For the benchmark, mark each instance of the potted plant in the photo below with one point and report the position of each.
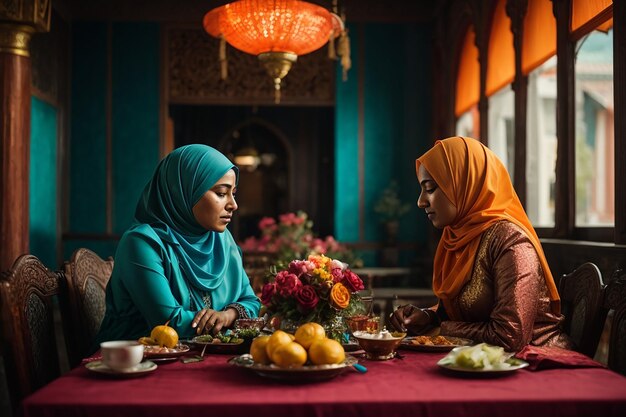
(390, 208)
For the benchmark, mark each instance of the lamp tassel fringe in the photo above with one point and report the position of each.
(343, 50)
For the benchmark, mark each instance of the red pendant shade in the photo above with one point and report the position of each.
(260, 26)
(277, 31)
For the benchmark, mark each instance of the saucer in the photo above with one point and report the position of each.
(143, 368)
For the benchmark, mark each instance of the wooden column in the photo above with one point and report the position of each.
(18, 25)
(619, 85)
(564, 202)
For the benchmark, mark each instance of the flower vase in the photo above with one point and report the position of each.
(336, 329)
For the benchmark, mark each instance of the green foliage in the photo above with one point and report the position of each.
(389, 206)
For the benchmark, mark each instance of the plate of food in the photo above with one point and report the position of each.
(220, 344)
(481, 359)
(163, 353)
(299, 374)
(434, 343)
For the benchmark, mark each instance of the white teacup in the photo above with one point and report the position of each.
(121, 355)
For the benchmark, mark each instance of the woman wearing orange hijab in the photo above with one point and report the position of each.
(490, 273)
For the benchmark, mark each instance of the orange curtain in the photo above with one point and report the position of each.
(604, 27)
(468, 75)
(501, 68)
(584, 11)
(539, 41)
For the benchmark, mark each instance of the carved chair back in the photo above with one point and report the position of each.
(615, 299)
(28, 295)
(86, 277)
(582, 297)
(256, 265)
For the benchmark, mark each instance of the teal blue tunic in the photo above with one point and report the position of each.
(167, 267)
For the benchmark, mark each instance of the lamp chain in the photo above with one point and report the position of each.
(277, 90)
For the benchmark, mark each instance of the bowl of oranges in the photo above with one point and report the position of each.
(304, 356)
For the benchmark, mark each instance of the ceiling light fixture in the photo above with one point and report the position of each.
(277, 32)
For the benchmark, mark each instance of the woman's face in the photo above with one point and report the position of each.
(440, 211)
(215, 209)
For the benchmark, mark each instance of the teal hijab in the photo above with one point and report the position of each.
(166, 204)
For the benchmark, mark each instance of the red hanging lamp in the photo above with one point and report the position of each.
(277, 32)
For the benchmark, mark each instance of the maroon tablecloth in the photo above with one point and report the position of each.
(413, 386)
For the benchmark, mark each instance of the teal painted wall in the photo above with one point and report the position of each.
(135, 116)
(43, 182)
(347, 150)
(396, 99)
(134, 122)
(87, 144)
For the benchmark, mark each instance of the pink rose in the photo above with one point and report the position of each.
(337, 274)
(267, 223)
(307, 298)
(287, 219)
(301, 267)
(267, 293)
(352, 281)
(286, 283)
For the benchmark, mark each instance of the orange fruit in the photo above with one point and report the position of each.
(147, 341)
(326, 351)
(164, 335)
(257, 350)
(308, 333)
(277, 338)
(289, 354)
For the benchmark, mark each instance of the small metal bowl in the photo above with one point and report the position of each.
(255, 323)
(379, 346)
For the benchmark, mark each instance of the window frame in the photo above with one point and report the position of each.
(565, 205)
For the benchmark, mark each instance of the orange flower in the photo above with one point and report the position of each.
(339, 296)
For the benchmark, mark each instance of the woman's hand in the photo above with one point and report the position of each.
(410, 318)
(212, 321)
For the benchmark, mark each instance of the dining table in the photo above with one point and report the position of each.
(411, 384)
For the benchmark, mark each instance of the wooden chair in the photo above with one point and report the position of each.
(256, 265)
(28, 295)
(582, 298)
(615, 299)
(86, 277)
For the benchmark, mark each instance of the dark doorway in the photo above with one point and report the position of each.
(295, 151)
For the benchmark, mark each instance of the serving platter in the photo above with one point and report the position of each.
(241, 346)
(433, 343)
(301, 374)
(514, 364)
(156, 352)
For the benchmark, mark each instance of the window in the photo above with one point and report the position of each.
(468, 123)
(539, 64)
(500, 74)
(541, 144)
(594, 146)
(501, 127)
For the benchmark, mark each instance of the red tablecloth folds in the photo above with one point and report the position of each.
(413, 385)
(548, 357)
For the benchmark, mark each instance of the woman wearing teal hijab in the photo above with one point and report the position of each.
(178, 262)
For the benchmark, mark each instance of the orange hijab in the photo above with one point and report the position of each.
(478, 184)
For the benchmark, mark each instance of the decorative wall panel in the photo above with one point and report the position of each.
(193, 74)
